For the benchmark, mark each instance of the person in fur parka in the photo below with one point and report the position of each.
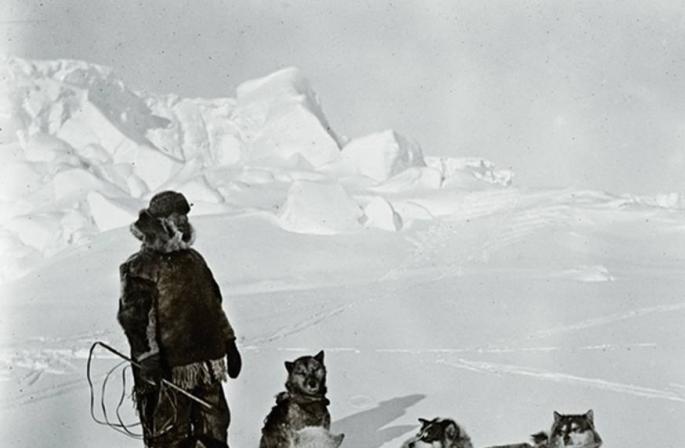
(170, 310)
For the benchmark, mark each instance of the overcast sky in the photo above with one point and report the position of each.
(582, 94)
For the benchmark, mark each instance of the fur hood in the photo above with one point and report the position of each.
(163, 234)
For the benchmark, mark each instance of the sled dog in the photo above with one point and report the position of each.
(303, 403)
(568, 431)
(574, 431)
(316, 437)
(439, 433)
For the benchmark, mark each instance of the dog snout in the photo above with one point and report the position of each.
(311, 382)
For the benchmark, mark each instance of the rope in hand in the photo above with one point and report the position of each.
(124, 428)
(120, 427)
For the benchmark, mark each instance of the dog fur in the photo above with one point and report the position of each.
(303, 404)
(539, 440)
(568, 431)
(439, 433)
(316, 437)
(516, 445)
(574, 431)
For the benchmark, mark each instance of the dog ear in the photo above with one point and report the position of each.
(338, 439)
(289, 365)
(423, 421)
(452, 431)
(539, 437)
(590, 416)
(319, 357)
(557, 417)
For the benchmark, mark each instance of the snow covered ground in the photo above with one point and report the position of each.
(435, 286)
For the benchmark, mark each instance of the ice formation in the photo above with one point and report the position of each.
(319, 208)
(81, 153)
(382, 155)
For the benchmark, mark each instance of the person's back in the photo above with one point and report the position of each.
(170, 309)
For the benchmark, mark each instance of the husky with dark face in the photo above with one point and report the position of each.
(439, 433)
(568, 431)
(303, 404)
(574, 431)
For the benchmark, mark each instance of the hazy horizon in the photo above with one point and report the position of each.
(579, 94)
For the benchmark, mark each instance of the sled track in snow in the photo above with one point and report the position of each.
(33, 397)
(28, 364)
(559, 377)
(525, 223)
(289, 330)
(438, 243)
(606, 320)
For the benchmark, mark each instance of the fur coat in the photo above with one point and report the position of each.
(170, 308)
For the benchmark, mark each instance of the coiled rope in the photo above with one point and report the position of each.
(119, 425)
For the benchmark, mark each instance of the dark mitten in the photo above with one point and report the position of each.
(151, 369)
(233, 359)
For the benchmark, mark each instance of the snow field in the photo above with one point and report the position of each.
(435, 286)
(497, 343)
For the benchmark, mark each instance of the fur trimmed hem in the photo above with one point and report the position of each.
(202, 373)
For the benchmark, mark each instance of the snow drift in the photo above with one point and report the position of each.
(319, 209)
(81, 153)
(380, 156)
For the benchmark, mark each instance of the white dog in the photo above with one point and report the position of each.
(316, 437)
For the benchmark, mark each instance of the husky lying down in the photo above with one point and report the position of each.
(568, 431)
(439, 433)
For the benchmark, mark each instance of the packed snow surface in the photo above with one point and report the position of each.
(436, 286)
